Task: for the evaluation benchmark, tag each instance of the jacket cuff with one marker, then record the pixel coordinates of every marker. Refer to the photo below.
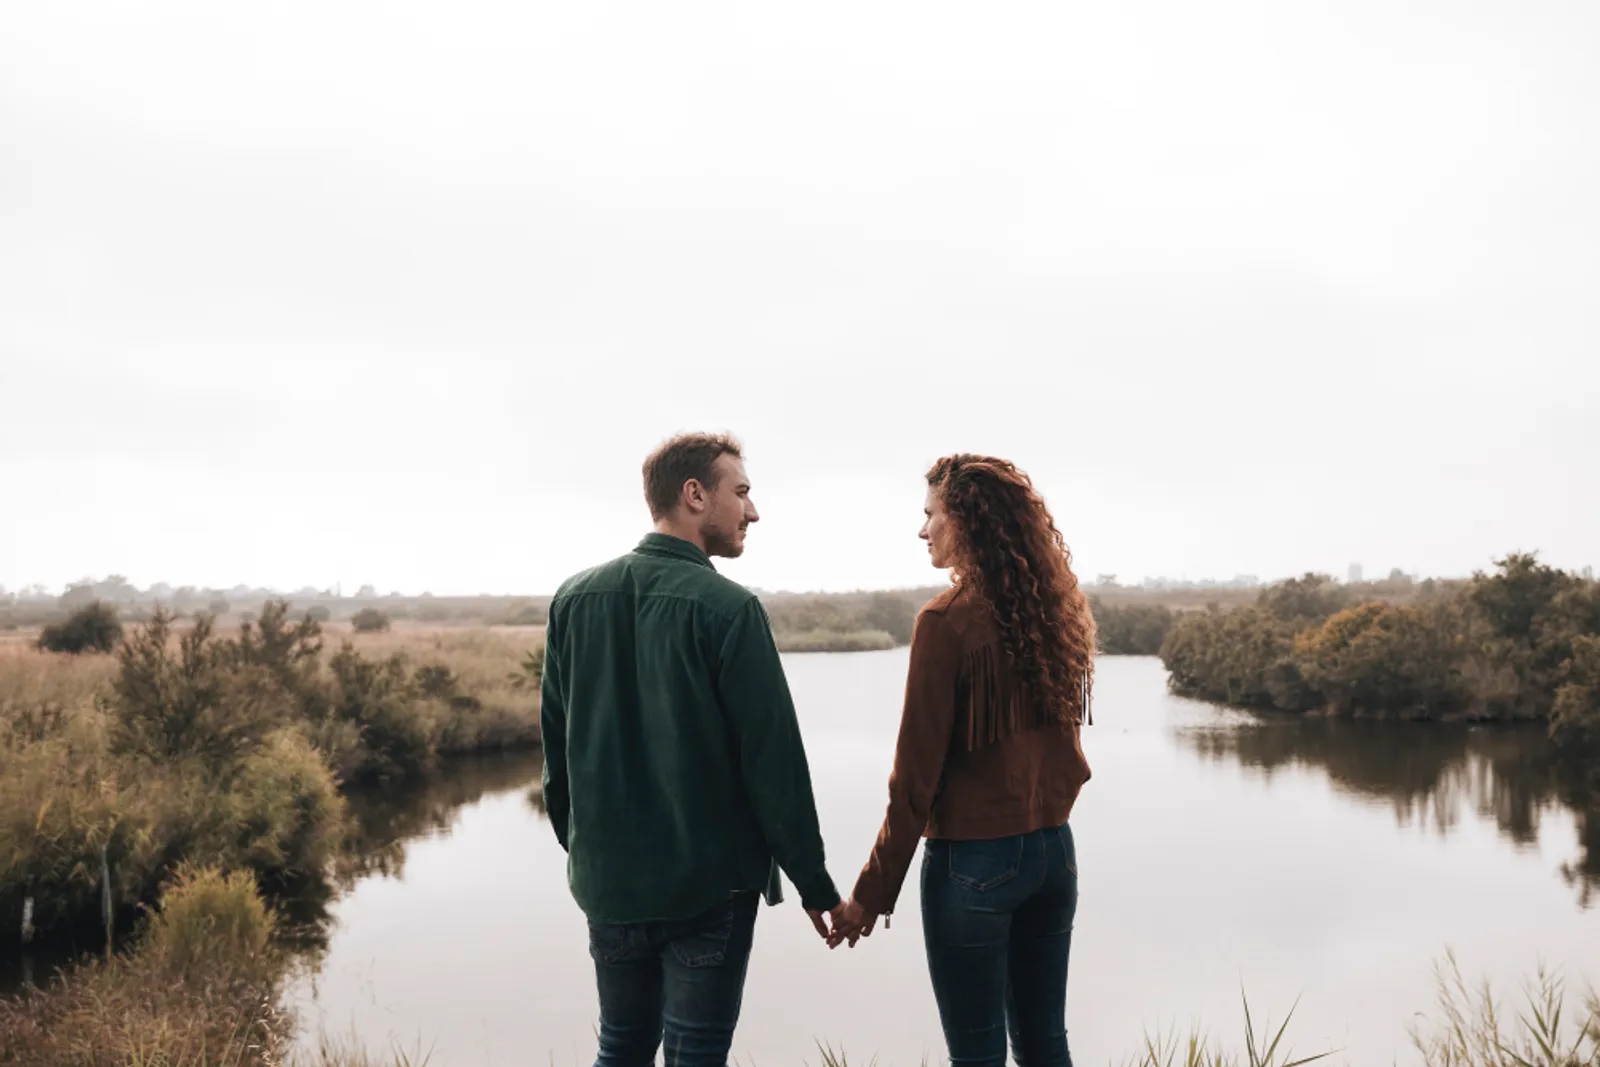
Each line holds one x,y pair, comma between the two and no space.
873,896
819,893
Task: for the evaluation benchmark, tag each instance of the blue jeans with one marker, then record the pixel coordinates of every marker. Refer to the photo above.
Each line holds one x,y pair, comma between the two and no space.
997,923
677,983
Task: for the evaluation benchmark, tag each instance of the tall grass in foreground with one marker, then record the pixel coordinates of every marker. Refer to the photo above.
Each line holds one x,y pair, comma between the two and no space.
1168,1049
1265,1049
1473,1029
200,988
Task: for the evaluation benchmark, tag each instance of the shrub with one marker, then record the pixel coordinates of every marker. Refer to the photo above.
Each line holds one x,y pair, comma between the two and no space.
217,606
289,651
489,727
61,802
206,916
1131,629
894,614
285,806
1306,600
92,628
1244,656
199,990
369,620
206,699
436,680
397,732
530,672
1575,722
319,613
1379,658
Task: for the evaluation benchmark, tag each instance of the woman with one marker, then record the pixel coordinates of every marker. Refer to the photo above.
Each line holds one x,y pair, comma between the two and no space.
987,767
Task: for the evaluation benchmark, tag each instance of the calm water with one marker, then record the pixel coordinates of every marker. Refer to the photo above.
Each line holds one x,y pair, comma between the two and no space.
1332,861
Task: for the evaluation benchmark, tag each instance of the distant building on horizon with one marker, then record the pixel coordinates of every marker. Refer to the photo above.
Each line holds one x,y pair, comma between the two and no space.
1354,577
1241,581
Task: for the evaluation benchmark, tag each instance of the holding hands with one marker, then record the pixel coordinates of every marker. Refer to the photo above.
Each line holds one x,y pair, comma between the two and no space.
851,922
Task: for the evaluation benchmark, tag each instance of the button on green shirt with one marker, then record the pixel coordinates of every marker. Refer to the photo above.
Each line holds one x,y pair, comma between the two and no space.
674,772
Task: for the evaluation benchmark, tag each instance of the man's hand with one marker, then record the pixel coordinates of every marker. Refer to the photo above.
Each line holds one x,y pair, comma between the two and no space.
851,923
820,920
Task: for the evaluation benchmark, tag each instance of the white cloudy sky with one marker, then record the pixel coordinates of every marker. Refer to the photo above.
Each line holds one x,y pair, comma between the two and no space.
303,293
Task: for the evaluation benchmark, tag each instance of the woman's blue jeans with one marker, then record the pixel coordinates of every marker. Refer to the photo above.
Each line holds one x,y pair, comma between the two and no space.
997,921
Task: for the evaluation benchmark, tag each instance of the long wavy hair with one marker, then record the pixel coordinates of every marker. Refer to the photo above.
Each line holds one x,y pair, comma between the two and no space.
1007,550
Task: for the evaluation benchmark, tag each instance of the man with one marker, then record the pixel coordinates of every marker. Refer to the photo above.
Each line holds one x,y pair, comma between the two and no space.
674,772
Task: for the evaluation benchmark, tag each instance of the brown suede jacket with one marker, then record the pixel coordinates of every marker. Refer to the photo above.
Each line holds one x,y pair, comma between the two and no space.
974,759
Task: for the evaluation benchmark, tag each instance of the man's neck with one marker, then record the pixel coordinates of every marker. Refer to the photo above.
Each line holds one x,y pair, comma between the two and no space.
682,533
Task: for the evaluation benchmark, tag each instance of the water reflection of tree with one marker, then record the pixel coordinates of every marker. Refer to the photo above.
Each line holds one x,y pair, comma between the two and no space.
1429,773
1578,786
384,821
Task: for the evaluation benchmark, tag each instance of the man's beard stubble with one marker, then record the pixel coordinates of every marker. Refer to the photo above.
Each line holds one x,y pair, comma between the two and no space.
723,543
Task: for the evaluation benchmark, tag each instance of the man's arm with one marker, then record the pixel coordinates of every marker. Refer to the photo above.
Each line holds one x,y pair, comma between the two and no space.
553,732
772,756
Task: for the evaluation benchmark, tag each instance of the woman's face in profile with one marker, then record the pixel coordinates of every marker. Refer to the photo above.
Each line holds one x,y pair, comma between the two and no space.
936,530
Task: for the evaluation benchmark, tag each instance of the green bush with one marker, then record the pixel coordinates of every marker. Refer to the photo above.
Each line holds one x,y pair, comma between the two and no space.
398,731
285,806
530,673
1575,721
1131,629
369,620
206,915
92,628
1384,659
436,680
893,613
204,698
1243,657
199,989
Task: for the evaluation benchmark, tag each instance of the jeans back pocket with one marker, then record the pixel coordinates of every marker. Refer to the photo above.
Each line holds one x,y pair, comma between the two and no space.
612,943
985,865
705,943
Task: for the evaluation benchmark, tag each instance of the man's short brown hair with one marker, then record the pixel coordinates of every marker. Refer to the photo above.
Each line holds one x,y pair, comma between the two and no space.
689,455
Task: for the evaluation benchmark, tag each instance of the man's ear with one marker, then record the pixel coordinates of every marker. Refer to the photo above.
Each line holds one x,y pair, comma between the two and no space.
694,496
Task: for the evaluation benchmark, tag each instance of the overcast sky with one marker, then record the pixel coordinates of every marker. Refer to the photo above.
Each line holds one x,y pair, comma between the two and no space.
306,293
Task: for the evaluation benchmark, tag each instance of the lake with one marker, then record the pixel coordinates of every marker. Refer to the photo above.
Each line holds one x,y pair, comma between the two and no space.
1330,861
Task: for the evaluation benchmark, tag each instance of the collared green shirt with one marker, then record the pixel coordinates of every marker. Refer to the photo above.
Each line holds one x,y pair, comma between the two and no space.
674,771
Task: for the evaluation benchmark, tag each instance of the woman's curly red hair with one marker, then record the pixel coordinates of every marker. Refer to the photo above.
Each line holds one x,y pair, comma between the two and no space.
1008,551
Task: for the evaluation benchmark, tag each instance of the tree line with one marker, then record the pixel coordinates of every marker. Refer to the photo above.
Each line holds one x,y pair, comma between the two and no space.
1520,643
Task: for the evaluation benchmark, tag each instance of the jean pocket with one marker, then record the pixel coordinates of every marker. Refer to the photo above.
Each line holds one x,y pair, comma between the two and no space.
706,945
985,865
609,943
1069,848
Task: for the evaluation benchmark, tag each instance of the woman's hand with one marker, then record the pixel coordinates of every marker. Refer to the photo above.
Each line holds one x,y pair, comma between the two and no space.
851,923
